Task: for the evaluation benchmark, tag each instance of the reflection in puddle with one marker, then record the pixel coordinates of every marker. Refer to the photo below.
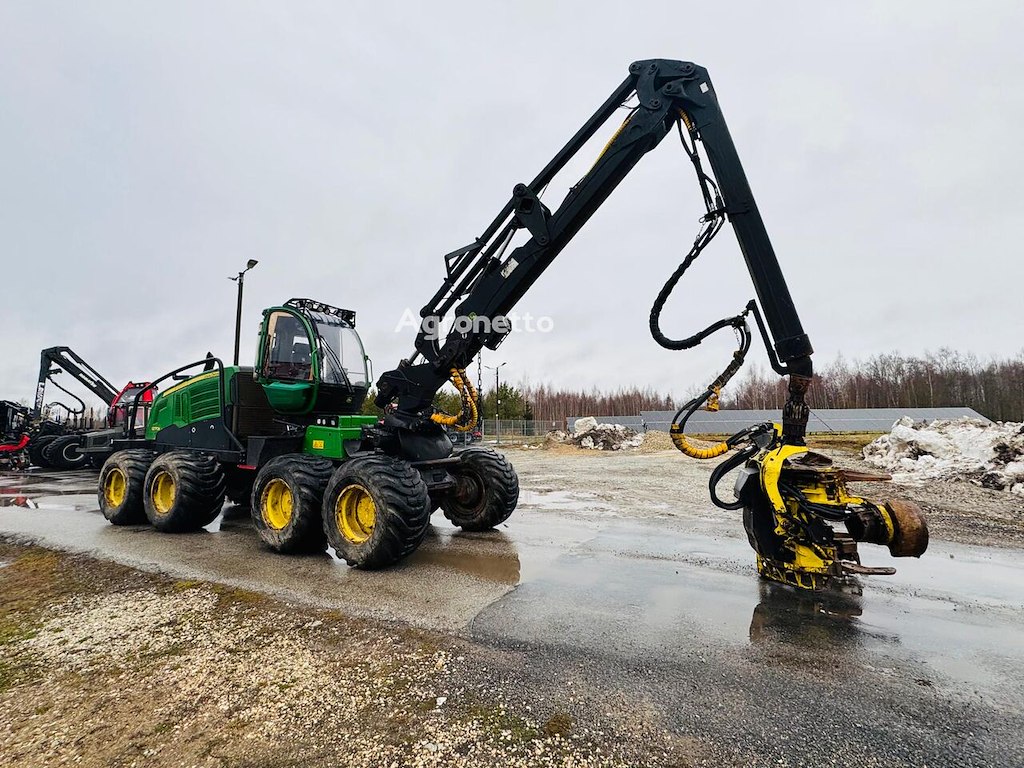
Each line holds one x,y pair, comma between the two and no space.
810,619
492,556
12,500
79,502
53,491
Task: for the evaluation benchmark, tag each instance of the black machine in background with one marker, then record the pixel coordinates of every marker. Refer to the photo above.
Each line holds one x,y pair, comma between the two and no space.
14,437
57,434
56,360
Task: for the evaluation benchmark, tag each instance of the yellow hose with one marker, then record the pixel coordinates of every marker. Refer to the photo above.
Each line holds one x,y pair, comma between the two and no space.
712,403
679,441
615,135
469,403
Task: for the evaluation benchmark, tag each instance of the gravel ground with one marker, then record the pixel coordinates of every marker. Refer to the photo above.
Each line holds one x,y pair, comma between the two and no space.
106,666
657,482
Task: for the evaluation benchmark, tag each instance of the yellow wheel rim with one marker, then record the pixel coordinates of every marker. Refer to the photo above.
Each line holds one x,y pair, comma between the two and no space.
355,513
276,504
115,487
163,492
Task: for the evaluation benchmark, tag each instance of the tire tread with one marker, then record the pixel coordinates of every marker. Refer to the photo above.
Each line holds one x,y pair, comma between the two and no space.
401,522
500,482
134,463
307,476
199,489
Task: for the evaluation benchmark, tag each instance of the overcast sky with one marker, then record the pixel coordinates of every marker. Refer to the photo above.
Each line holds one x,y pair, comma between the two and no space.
147,150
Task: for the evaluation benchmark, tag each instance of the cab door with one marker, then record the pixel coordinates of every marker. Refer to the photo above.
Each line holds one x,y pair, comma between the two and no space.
287,366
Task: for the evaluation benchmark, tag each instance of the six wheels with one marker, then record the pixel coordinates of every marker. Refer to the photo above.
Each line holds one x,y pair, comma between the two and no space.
121,484
375,511
286,503
486,490
183,492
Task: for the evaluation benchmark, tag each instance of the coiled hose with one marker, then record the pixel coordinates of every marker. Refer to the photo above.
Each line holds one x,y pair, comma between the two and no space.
468,404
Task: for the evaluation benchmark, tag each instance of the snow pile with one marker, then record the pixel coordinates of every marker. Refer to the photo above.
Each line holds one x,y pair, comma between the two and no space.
587,433
991,455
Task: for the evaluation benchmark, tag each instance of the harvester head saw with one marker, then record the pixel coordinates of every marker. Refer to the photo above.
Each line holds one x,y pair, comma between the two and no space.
802,520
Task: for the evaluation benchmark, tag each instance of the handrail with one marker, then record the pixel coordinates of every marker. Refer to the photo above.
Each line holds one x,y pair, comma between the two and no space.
130,422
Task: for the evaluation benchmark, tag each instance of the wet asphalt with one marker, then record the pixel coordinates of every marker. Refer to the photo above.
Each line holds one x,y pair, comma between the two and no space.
657,625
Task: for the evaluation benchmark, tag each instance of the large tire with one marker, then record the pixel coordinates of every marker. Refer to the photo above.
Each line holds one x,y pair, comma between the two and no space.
286,503
65,453
486,490
376,511
35,449
121,486
184,491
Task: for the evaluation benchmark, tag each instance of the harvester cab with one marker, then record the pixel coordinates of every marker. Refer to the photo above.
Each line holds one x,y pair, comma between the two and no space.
311,360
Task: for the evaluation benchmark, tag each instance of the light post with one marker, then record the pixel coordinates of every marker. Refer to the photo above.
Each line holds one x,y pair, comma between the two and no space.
497,402
238,313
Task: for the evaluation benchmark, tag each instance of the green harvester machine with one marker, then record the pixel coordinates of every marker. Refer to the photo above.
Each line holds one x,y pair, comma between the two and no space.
286,437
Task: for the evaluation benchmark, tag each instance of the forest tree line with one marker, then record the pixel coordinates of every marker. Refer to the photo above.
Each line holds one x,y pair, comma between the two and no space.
942,379
546,403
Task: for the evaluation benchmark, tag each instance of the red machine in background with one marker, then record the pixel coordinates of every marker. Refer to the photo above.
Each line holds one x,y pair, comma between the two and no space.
40,437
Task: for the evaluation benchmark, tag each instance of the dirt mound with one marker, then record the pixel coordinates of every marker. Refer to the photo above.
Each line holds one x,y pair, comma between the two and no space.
991,455
655,440
591,435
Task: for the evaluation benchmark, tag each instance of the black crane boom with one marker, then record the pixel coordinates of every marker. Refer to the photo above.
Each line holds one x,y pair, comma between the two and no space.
482,282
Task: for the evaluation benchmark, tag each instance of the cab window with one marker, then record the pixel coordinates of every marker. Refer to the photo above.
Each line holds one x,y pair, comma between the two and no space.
287,354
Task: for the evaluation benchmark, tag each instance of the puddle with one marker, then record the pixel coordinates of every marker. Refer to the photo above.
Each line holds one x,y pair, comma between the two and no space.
14,500
492,556
565,501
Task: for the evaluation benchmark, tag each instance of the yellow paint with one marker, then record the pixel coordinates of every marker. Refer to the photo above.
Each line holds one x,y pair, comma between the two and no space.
162,491
355,513
890,526
771,469
806,559
115,488
193,380
277,504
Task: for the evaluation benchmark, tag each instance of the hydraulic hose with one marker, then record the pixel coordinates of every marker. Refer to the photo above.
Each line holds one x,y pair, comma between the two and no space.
71,411
710,395
727,466
711,223
468,404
